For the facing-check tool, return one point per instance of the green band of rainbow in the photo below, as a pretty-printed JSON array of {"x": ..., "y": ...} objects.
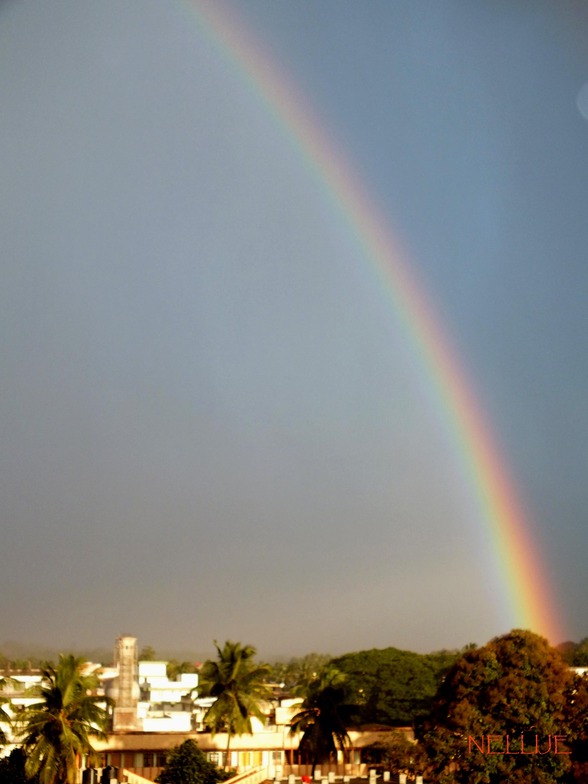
[{"x": 527, "y": 595}]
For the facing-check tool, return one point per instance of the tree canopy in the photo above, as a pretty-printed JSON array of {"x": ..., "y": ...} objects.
[
  {"x": 12, "y": 769},
  {"x": 240, "y": 688},
  {"x": 323, "y": 717},
  {"x": 57, "y": 730},
  {"x": 147, "y": 653},
  {"x": 575, "y": 653},
  {"x": 187, "y": 764},
  {"x": 397, "y": 753},
  {"x": 497, "y": 713},
  {"x": 391, "y": 686},
  {"x": 176, "y": 668},
  {"x": 577, "y": 727},
  {"x": 299, "y": 671}
]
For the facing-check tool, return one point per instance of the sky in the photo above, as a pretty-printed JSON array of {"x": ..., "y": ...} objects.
[{"x": 215, "y": 420}]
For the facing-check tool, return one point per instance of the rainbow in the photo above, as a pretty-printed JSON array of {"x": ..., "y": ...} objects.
[{"x": 527, "y": 593}]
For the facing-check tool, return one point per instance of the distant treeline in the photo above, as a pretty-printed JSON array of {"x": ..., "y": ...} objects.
[
  {"x": 23, "y": 655},
  {"x": 575, "y": 653}
]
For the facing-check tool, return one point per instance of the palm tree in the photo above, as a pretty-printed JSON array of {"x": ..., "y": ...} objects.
[
  {"x": 323, "y": 717},
  {"x": 5, "y": 717},
  {"x": 57, "y": 730},
  {"x": 239, "y": 686}
]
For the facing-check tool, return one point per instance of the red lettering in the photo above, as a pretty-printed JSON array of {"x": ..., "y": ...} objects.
[
  {"x": 489, "y": 739},
  {"x": 489, "y": 744},
  {"x": 563, "y": 739},
  {"x": 528, "y": 751},
  {"x": 479, "y": 746},
  {"x": 537, "y": 745}
]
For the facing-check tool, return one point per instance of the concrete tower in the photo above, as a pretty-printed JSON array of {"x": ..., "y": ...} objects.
[{"x": 126, "y": 689}]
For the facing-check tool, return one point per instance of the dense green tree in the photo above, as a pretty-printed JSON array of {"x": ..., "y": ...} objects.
[
  {"x": 147, "y": 653},
  {"x": 391, "y": 686},
  {"x": 516, "y": 685},
  {"x": 240, "y": 688},
  {"x": 577, "y": 727},
  {"x": 299, "y": 671},
  {"x": 567, "y": 650},
  {"x": 187, "y": 764},
  {"x": 12, "y": 769},
  {"x": 398, "y": 754},
  {"x": 175, "y": 668},
  {"x": 57, "y": 730},
  {"x": 17, "y": 664},
  {"x": 323, "y": 718},
  {"x": 579, "y": 657}
]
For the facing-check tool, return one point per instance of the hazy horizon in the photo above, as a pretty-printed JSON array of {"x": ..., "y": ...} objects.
[{"x": 13, "y": 650}]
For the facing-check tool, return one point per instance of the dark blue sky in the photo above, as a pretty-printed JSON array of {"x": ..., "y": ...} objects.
[{"x": 213, "y": 422}]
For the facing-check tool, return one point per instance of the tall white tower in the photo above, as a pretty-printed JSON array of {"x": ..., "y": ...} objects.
[{"x": 126, "y": 690}]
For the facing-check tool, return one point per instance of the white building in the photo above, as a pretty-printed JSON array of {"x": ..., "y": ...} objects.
[
  {"x": 146, "y": 699},
  {"x": 164, "y": 705}
]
